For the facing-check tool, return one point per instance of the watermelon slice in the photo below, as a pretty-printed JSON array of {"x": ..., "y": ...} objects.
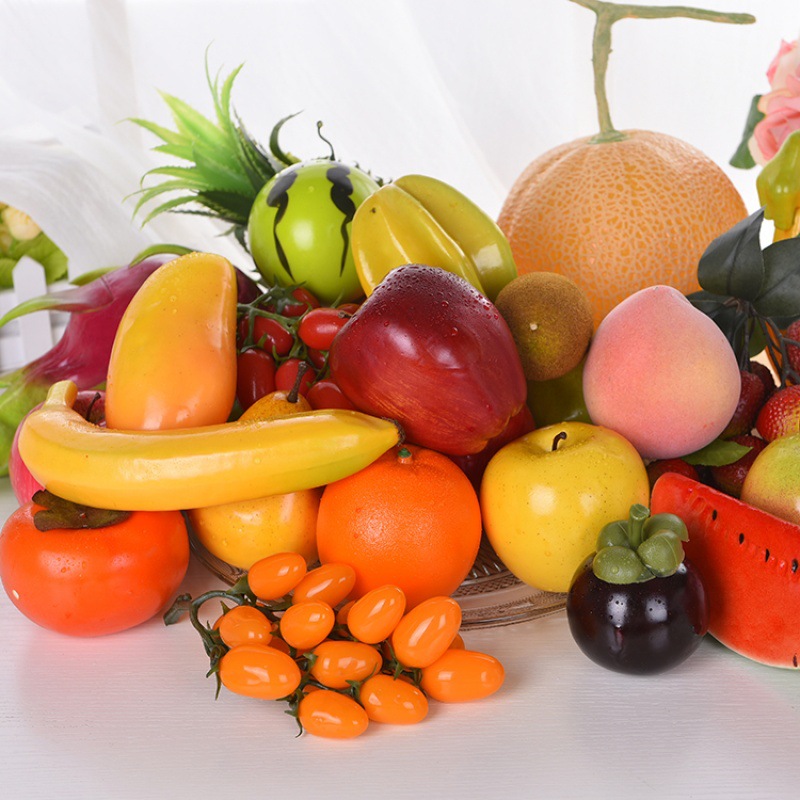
[{"x": 748, "y": 560}]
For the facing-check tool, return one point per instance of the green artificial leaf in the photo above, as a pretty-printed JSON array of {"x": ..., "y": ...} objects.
[
  {"x": 733, "y": 264},
  {"x": 743, "y": 158},
  {"x": 60, "y": 514},
  {"x": 718, "y": 453},
  {"x": 734, "y": 324},
  {"x": 780, "y": 295}
]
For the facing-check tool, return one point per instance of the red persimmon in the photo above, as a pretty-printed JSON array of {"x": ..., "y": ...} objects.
[{"x": 93, "y": 581}]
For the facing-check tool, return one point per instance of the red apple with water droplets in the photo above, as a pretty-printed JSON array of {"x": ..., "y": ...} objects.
[{"x": 430, "y": 351}]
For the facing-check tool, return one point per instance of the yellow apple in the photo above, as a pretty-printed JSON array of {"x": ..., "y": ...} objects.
[{"x": 546, "y": 495}]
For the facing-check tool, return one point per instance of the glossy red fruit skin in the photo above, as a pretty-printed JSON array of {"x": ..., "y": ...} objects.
[
  {"x": 765, "y": 375},
  {"x": 748, "y": 560},
  {"x": 474, "y": 465},
  {"x": 793, "y": 350},
  {"x": 655, "y": 469},
  {"x": 780, "y": 415},
  {"x": 730, "y": 478},
  {"x": 430, "y": 351},
  {"x": 751, "y": 399}
]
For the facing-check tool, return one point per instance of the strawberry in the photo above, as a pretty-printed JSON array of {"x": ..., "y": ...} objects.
[
  {"x": 793, "y": 350},
  {"x": 655, "y": 469},
  {"x": 751, "y": 398},
  {"x": 780, "y": 415},
  {"x": 729, "y": 478},
  {"x": 765, "y": 373}
]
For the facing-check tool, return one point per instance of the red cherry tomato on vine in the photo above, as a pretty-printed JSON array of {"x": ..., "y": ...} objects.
[
  {"x": 426, "y": 632},
  {"x": 318, "y": 358},
  {"x": 255, "y": 376},
  {"x": 286, "y": 376},
  {"x": 326, "y": 394},
  {"x": 92, "y": 582},
  {"x": 273, "y": 577},
  {"x": 304, "y": 625},
  {"x": 348, "y": 308},
  {"x": 393, "y": 700},
  {"x": 338, "y": 662},
  {"x": 244, "y": 625},
  {"x": 305, "y": 301},
  {"x": 332, "y": 715},
  {"x": 331, "y": 583},
  {"x": 462, "y": 675},
  {"x": 271, "y": 336},
  {"x": 260, "y": 671},
  {"x": 373, "y": 617},
  {"x": 319, "y": 327}
]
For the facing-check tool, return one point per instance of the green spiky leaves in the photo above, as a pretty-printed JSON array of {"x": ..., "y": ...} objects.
[{"x": 224, "y": 166}]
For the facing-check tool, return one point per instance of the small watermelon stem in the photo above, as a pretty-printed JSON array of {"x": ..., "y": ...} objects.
[{"x": 609, "y": 13}]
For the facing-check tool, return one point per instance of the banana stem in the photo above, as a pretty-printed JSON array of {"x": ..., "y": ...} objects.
[{"x": 609, "y": 13}]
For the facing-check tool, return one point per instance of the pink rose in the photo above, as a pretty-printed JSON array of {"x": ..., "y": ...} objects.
[{"x": 781, "y": 106}]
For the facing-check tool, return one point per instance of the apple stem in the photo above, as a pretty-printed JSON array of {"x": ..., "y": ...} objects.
[
  {"x": 302, "y": 368},
  {"x": 559, "y": 437}
]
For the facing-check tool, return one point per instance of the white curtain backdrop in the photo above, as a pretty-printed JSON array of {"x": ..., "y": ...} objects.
[{"x": 467, "y": 90}]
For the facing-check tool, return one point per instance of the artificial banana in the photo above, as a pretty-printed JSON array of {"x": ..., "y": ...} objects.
[
  {"x": 194, "y": 467},
  {"x": 422, "y": 220}
]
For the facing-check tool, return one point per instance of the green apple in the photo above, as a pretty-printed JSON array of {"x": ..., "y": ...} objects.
[
  {"x": 546, "y": 495},
  {"x": 773, "y": 481}
]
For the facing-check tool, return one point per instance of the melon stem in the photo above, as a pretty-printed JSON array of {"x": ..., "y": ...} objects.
[{"x": 606, "y": 15}]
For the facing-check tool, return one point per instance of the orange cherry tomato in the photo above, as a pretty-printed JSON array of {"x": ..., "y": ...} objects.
[
  {"x": 393, "y": 700},
  {"x": 457, "y": 643},
  {"x": 273, "y": 577},
  {"x": 332, "y": 715},
  {"x": 260, "y": 671},
  {"x": 304, "y": 625},
  {"x": 344, "y": 612},
  {"x": 93, "y": 582},
  {"x": 339, "y": 662},
  {"x": 244, "y": 625},
  {"x": 426, "y": 631},
  {"x": 331, "y": 583},
  {"x": 374, "y": 616},
  {"x": 462, "y": 675}
]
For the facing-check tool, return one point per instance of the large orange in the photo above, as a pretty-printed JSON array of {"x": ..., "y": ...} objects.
[
  {"x": 411, "y": 518},
  {"x": 617, "y": 216}
]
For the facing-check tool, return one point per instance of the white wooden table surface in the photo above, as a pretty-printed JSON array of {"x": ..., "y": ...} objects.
[{"x": 133, "y": 716}]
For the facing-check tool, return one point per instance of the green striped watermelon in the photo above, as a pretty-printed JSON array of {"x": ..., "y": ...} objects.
[{"x": 749, "y": 563}]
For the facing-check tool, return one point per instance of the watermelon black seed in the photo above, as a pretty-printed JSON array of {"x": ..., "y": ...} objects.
[
  {"x": 766, "y": 555},
  {"x": 741, "y": 538},
  {"x": 794, "y": 660},
  {"x": 714, "y": 514},
  {"x": 794, "y": 565}
]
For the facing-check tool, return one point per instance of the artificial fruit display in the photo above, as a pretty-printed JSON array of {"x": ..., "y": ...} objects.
[
  {"x": 430, "y": 351},
  {"x": 545, "y": 496}
]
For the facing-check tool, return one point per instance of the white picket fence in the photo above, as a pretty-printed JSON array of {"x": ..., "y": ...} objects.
[{"x": 28, "y": 337}]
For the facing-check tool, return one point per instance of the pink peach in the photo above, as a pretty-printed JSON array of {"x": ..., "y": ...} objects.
[{"x": 662, "y": 374}]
